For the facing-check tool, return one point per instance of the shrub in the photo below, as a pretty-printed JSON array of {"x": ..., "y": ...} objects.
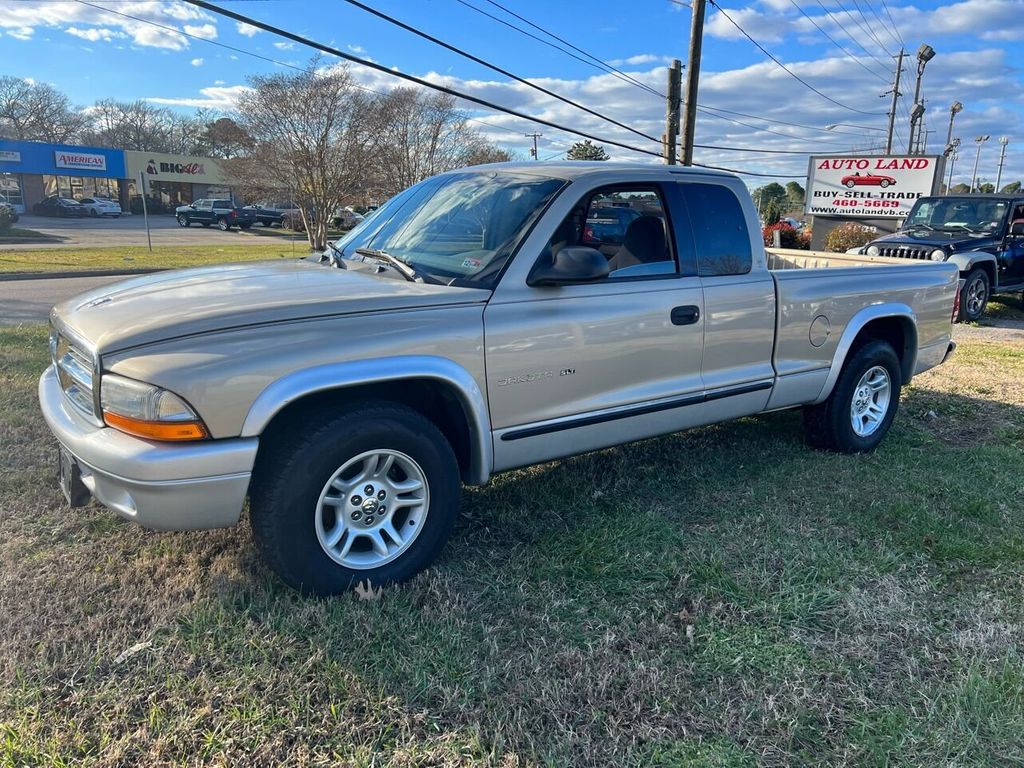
[
  {"x": 847, "y": 236},
  {"x": 6, "y": 220},
  {"x": 294, "y": 222},
  {"x": 788, "y": 237}
]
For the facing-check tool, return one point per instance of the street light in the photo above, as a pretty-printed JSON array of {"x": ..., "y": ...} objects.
[
  {"x": 979, "y": 140},
  {"x": 954, "y": 109},
  {"x": 1004, "y": 140},
  {"x": 924, "y": 54}
]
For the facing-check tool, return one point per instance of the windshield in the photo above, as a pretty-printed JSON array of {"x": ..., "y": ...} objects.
[
  {"x": 958, "y": 214},
  {"x": 457, "y": 226}
]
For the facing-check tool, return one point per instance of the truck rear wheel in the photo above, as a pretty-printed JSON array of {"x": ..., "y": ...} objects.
[
  {"x": 857, "y": 415},
  {"x": 368, "y": 494}
]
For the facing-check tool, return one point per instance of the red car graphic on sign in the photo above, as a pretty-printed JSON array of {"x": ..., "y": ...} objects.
[{"x": 867, "y": 179}]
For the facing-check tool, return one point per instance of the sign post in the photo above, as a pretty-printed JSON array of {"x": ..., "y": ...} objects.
[{"x": 145, "y": 210}]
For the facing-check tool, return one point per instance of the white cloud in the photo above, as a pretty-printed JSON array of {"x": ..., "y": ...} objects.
[
  {"x": 246, "y": 29},
  {"x": 356, "y": 49},
  {"x": 205, "y": 31},
  {"x": 95, "y": 34},
  {"x": 762, "y": 27},
  {"x": 218, "y": 82},
  {"x": 21, "y": 19},
  {"x": 197, "y": 62},
  {"x": 285, "y": 45},
  {"x": 217, "y": 97},
  {"x": 642, "y": 58}
]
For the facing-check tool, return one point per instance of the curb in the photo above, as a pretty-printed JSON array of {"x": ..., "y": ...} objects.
[{"x": 12, "y": 276}]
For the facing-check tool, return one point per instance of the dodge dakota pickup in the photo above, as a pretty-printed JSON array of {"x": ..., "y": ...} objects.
[{"x": 474, "y": 324}]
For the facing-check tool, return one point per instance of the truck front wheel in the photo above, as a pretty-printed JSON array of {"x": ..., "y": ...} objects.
[
  {"x": 857, "y": 415},
  {"x": 369, "y": 494}
]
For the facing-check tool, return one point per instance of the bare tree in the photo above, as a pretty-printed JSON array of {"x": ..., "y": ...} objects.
[
  {"x": 36, "y": 112},
  {"x": 311, "y": 137},
  {"x": 420, "y": 133},
  {"x": 139, "y": 125}
]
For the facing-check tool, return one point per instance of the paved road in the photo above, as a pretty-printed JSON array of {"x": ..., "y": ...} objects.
[
  {"x": 127, "y": 230},
  {"x": 29, "y": 301}
]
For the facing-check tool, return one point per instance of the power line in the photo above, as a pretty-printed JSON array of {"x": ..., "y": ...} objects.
[
  {"x": 882, "y": 23},
  {"x": 866, "y": 26},
  {"x": 750, "y": 173},
  {"x": 500, "y": 70},
  {"x": 837, "y": 43},
  {"x": 896, "y": 29},
  {"x": 760, "y": 151},
  {"x": 603, "y": 67},
  {"x": 253, "y": 54},
  {"x": 551, "y": 34},
  {"x": 702, "y": 108},
  {"x": 852, "y": 37},
  {"x": 404, "y": 76},
  {"x": 782, "y": 66}
]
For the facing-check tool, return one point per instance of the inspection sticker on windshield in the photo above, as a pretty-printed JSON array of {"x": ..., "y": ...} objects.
[{"x": 471, "y": 263}]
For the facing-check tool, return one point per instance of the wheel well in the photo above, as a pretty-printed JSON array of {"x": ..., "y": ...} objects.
[
  {"x": 899, "y": 333},
  {"x": 433, "y": 399},
  {"x": 989, "y": 268}
]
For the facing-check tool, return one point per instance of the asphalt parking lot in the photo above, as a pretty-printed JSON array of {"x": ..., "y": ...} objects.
[{"x": 126, "y": 230}]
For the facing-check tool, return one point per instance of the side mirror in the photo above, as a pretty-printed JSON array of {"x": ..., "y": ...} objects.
[
  {"x": 571, "y": 266},
  {"x": 1017, "y": 228}
]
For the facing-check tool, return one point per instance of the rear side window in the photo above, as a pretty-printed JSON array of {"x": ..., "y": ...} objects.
[{"x": 719, "y": 230}]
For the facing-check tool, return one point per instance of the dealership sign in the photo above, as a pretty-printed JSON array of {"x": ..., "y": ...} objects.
[
  {"x": 870, "y": 187},
  {"x": 160, "y": 167},
  {"x": 79, "y": 161}
]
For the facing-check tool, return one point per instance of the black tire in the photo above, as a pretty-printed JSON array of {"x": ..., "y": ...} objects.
[
  {"x": 290, "y": 477},
  {"x": 972, "y": 305},
  {"x": 829, "y": 425},
  {"x": 92, "y": 212},
  {"x": 183, "y": 220},
  {"x": 222, "y": 223}
]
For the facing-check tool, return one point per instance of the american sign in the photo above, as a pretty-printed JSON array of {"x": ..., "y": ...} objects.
[{"x": 81, "y": 161}]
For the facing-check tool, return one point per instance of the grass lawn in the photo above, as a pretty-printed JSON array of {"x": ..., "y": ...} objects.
[
  {"x": 122, "y": 257},
  {"x": 722, "y": 597}
]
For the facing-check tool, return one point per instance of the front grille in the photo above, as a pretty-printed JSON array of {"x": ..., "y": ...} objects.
[
  {"x": 903, "y": 252},
  {"x": 75, "y": 372}
]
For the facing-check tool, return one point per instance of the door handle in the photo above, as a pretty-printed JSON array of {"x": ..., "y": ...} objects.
[{"x": 687, "y": 315}]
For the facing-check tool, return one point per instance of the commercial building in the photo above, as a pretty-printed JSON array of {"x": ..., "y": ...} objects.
[{"x": 32, "y": 171}]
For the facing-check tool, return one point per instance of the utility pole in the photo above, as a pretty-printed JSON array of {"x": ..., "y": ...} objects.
[
  {"x": 895, "y": 98},
  {"x": 692, "y": 78},
  {"x": 534, "y": 136},
  {"x": 1004, "y": 140},
  {"x": 672, "y": 111}
]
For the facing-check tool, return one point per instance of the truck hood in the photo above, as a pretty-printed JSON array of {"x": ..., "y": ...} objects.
[{"x": 168, "y": 305}]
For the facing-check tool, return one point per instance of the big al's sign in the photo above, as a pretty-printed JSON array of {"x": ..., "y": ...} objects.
[
  {"x": 158, "y": 167},
  {"x": 870, "y": 187},
  {"x": 80, "y": 161}
]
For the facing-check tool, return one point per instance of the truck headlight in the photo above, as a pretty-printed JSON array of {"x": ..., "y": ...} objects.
[
  {"x": 937, "y": 255},
  {"x": 144, "y": 410},
  {"x": 873, "y": 250}
]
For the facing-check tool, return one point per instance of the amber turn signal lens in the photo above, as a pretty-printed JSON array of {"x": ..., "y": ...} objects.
[{"x": 156, "y": 430}]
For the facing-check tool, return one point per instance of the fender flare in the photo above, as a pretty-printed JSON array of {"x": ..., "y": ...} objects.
[
  {"x": 968, "y": 260},
  {"x": 855, "y": 326},
  {"x": 322, "y": 378}
]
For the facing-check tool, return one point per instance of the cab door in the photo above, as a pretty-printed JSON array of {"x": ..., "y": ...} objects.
[
  {"x": 574, "y": 368},
  {"x": 1011, "y": 259}
]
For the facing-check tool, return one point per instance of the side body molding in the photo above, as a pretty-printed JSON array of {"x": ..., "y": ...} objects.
[
  {"x": 856, "y": 325},
  {"x": 321, "y": 378}
]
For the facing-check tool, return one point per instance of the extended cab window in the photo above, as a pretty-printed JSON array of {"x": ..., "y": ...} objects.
[
  {"x": 625, "y": 223},
  {"x": 719, "y": 230}
]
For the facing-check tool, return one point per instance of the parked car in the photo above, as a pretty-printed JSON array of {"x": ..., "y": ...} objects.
[
  {"x": 345, "y": 218},
  {"x": 59, "y": 206},
  {"x": 222, "y": 212},
  {"x": 982, "y": 234},
  {"x": 273, "y": 214},
  {"x": 347, "y": 404},
  {"x": 8, "y": 207},
  {"x": 101, "y": 206},
  {"x": 867, "y": 179}
]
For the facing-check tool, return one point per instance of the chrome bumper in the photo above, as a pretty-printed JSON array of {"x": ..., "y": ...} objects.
[{"x": 166, "y": 486}]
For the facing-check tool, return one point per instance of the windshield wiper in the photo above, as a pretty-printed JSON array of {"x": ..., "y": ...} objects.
[
  {"x": 404, "y": 268},
  {"x": 922, "y": 225}
]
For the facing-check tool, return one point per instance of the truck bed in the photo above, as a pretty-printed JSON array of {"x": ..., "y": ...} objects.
[{"x": 818, "y": 296}]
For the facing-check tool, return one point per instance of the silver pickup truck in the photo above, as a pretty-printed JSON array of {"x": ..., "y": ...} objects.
[{"x": 485, "y": 319}]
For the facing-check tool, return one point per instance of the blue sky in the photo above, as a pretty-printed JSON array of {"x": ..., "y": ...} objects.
[{"x": 91, "y": 53}]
